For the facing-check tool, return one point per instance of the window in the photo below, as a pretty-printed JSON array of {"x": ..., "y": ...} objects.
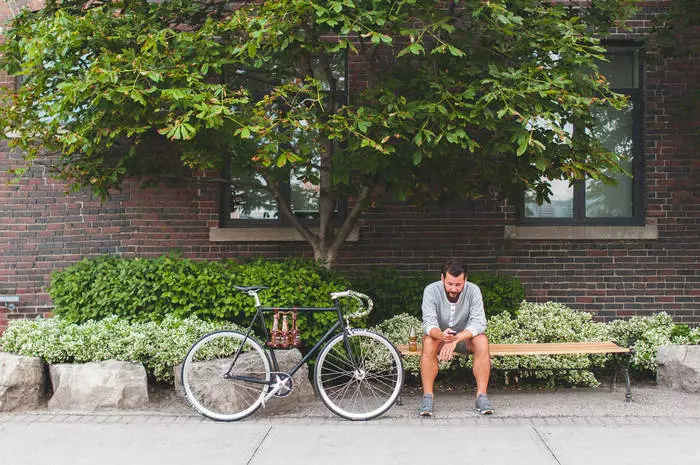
[
  {"x": 248, "y": 199},
  {"x": 592, "y": 202},
  {"x": 245, "y": 201}
]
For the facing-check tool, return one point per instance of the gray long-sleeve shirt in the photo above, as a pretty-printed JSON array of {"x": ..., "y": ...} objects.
[{"x": 469, "y": 309}]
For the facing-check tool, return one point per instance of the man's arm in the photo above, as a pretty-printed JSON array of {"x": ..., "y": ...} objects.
[
  {"x": 476, "y": 324},
  {"x": 430, "y": 309}
]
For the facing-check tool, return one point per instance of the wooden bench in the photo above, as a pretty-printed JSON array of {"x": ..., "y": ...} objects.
[{"x": 554, "y": 348}]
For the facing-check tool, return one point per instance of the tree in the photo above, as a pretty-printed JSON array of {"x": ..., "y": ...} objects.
[{"x": 455, "y": 99}]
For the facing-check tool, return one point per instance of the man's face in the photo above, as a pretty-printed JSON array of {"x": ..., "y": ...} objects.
[{"x": 453, "y": 285}]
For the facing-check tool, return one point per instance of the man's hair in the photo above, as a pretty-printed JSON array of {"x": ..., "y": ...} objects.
[{"x": 454, "y": 267}]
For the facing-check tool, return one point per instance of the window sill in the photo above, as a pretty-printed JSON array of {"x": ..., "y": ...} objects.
[
  {"x": 283, "y": 234},
  {"x": 574, "y": 233}
]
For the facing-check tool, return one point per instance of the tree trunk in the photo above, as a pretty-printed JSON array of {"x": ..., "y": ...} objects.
[{"x": 328, "y": 241}]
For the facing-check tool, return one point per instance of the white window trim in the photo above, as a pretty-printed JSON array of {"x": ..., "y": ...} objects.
[{"x": 283, "y": 234}]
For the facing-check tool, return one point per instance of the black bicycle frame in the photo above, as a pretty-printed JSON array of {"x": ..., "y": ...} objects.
[{"x": 259, "y": 314}]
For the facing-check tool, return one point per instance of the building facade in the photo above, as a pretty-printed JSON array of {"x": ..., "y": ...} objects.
[{"x": 635, "y": 252}]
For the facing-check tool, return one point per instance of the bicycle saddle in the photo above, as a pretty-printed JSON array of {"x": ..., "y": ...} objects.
[{"x": 250, "y": 288}]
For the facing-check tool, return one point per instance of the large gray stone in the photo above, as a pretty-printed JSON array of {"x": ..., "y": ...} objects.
[
  {"x": 218, "y": 391},
  {"x": 110, "y": 384},
  {"x": 679, "y": 367},
  {"x": 22, "y": 382}
]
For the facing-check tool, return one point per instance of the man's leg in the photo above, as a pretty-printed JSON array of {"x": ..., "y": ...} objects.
[
  {"x": 429, "y": 363},
  {"x": 479, "y": 346},
  {"x": 428, "y": 373}
]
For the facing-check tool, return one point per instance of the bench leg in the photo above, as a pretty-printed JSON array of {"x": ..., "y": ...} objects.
[
  {"x": 628, "y": 393},
  {"x": 624, "y": 369}
]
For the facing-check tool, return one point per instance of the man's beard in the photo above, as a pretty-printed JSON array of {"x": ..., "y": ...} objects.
[{"x": 452, "y": 297}]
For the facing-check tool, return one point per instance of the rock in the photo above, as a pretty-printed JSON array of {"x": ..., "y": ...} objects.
[
  {"x": 302, "y": 391},
  {"x": 93, "y": 386},
  {"x": 679, "y": 367},
  {"x": 22, "y": 382}
]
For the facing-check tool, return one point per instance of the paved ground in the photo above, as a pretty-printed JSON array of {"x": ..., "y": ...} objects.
[{"x": 569, "y": 426}]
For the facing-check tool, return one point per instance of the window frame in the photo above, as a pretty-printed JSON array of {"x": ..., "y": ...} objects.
[
  {"x": 637, "y": 97},
  {"x": 225, "y": 220}
]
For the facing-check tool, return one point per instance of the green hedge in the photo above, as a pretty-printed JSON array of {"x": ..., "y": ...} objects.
[
  {"x": 396, "y": 292},
  {"x": 150, "y": 289}
]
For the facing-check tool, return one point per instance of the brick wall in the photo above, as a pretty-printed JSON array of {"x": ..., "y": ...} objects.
[{"x": 43, "y": 229}]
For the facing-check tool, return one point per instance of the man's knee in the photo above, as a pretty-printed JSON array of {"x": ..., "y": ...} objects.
[
  {"x": 479, "y": 344},
  {"x": 431, "y": 347}
]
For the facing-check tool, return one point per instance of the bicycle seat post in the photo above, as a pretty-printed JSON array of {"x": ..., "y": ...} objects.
[{"x": 254, "y": 294}]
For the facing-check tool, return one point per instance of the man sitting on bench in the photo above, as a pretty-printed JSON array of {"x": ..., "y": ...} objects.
[{"x": 454, "y": 319}]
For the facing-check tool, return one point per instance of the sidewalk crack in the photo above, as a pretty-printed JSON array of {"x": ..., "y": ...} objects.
[
  {"x": 546, "y": 444},
  {"x": 257, "y": 448}
]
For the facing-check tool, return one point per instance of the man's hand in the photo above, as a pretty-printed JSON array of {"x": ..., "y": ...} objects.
[
  {"x": 447, "y": 351},
  {"x": 449, "y": 335},
  {"x": 449, "y": 339}
]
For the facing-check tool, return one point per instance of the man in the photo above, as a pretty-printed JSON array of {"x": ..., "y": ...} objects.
[{"x": 454, "y": 320}]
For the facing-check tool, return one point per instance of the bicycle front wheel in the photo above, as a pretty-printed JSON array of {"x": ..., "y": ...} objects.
[
  {"x": 360, "y": 377},
  {"x": 219, "y": 388}
]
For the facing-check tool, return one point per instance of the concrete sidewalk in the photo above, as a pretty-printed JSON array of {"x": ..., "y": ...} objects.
[{"x": 569, "y": 426}]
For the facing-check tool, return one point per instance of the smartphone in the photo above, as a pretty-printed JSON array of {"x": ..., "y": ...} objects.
[{"x": 451, "y": 331}]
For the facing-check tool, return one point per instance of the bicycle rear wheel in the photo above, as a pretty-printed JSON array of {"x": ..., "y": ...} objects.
[
  {"x": 360, "y": 383},
  {"x": 206, "y": 370}
]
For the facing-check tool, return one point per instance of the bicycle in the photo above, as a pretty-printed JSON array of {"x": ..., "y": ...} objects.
[{"x": 228, "y": 375}]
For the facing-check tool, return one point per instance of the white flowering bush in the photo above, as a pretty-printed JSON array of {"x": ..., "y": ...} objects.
[
  {"x": 645, "y": 334},
  {"x": 548, "y": 322},
  {"x": 542, "y": 323},
  {"x": 159, "y": 346},
  {"x": 397, "y": 329},
  {"x": 694, "y": 337}
]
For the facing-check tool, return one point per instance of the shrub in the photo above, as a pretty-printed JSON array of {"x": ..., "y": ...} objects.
[
  {"x": 395, "y": 292},
  {"x": 548, "y": 322},
  {"x": 397, "y": 329},
  {"x": 501, "y": 293},
  {"x": 645, "y": 334},
  {"x": 694, "y": 337},
  {"x": 159, "y": 346},
  {"x": 150, "y": 289},
  {"x": 683, "y": 334},
  {"x": 542, "y": 323}
]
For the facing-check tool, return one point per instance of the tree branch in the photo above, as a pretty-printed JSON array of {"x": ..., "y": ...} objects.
[
  {"x": 286, "y": 210},
  {"x": 352, "y": 218}
]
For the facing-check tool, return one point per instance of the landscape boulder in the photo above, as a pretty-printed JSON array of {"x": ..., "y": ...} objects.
[
  {"x": 110, "y": 384},
  {"x": 679, "y": 367},
  {"x": 22, "y": 382},
  {"x": 216, "y": 387}
]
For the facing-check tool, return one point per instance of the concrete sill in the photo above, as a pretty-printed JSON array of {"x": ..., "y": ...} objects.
[
  {"x": 581, "y": 233},
  {"x": 265, "y": 235}
]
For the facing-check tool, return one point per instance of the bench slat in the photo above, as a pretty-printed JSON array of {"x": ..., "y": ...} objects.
[{"x": 554, "y": 348}]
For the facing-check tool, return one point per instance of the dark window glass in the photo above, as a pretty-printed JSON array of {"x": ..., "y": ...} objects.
[{"x": 591, "y": 201}]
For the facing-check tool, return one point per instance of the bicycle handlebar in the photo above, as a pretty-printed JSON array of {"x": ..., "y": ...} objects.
[{"x": 364, "y": 301}]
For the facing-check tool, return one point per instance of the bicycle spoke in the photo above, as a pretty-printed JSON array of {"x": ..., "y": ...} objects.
[
  {"x": 362, "y": 383},
  {"x": 216, "y": 395}
]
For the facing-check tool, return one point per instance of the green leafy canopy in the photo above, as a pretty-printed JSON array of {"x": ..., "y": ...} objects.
[{"x": 444, "y": 99}]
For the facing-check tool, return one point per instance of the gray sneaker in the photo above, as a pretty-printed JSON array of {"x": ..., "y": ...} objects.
[
  {"x": 426, "y": 406},
  {"x": 483, "y": 406}
]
